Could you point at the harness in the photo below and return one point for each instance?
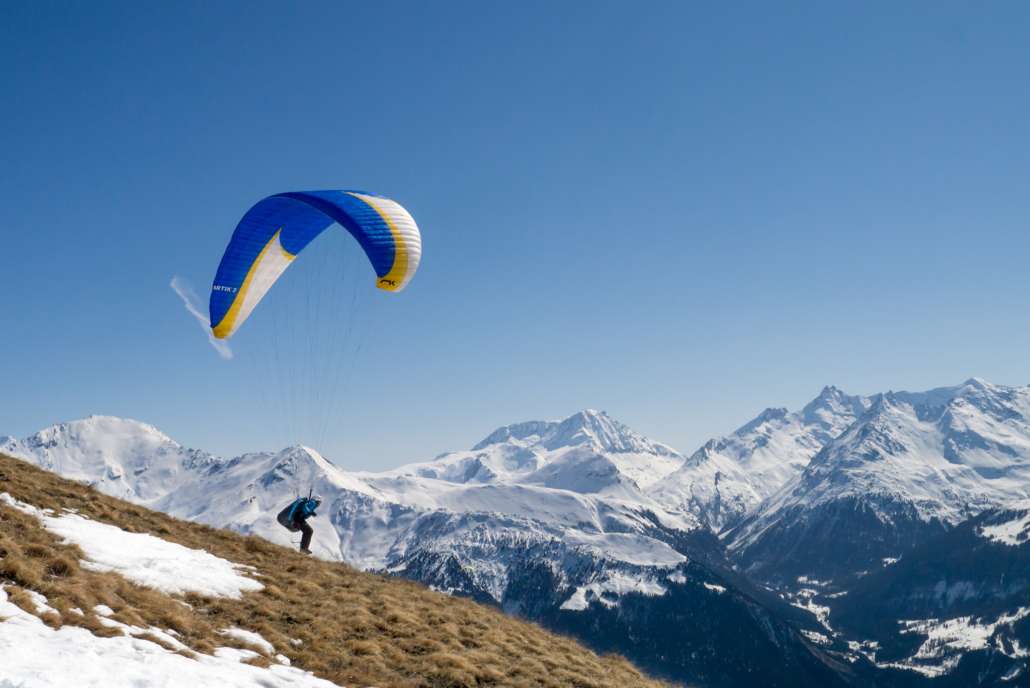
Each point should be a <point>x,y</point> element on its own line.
<point>286,516</point>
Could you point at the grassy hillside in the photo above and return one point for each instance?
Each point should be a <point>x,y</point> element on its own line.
<point>353,628</point>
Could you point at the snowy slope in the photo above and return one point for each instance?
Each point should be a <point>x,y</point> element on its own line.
<point>913,464</point>
<point>1013,528</point>
<point>142,558</point>
<point>728,477</point>
<point>36,655</point>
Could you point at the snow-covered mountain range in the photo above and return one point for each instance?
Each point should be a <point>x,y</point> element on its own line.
<point>728,477</point>
<point>551,520</point>
<point>573,482</point>
<point>594,529</point>
<point>909,467</point>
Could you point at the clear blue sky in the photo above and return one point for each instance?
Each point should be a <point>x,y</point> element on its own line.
<point>677,212</point>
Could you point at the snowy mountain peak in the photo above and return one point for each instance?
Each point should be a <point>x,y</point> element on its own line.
<point>729,476</point>
<point>973,388</point>
<point>589,427</point>
<point>769,415</point>
<point>290,459</point>
<point>601,431</point>
<point>587,452</point>
<point>999,402</point>
<point>125,457</point>
<point>86,429</point>
<point>304,452</point>
<point>527,431</point>
<point>297,469</point>
<point>916,461</point>
<point>832,411</point>
<point>829,397</point>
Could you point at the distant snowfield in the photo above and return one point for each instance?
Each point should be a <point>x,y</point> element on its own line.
<point>144,559</point>
<point>606,591</point>
<point>947,640</point>
<point>1014,532</point>
<point>37,656</point>
<point>627,547</point>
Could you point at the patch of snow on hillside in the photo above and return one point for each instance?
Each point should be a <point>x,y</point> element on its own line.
<point>631,548</point>
<point>8,500</point>
<point>715,588</point>
<point>235,654</point>
<point>1012,673</point>
<point>103,611</point>
<point>608,590</point>
<point>143,558</point>
<point>947,641</point>
<point>1015,650</point>
<point>41,603</point>
<point>816,637</point>
<point>1015,532</point>
<point>37,656</point>
<point>250,637</point>
<point>805,599</point>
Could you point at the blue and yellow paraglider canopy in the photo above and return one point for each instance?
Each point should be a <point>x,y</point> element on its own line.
<point>277,228</point>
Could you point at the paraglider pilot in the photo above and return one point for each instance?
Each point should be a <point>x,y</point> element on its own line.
<point>294,517</point>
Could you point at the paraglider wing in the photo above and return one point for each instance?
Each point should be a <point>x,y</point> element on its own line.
<point>278,228</point>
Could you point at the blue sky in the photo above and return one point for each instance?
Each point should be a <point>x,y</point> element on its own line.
<point>677,212</point>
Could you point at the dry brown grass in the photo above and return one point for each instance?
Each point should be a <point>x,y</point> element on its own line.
<point>354,628</point>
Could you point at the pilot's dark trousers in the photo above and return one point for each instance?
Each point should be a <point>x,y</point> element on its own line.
<point>308,532</point>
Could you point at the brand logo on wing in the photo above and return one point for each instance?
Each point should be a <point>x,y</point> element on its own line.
<point>388,282</point>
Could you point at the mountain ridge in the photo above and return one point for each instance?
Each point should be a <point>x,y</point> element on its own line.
<point>569,515</point>
<point>585,525</point>
<point>916,462</point>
